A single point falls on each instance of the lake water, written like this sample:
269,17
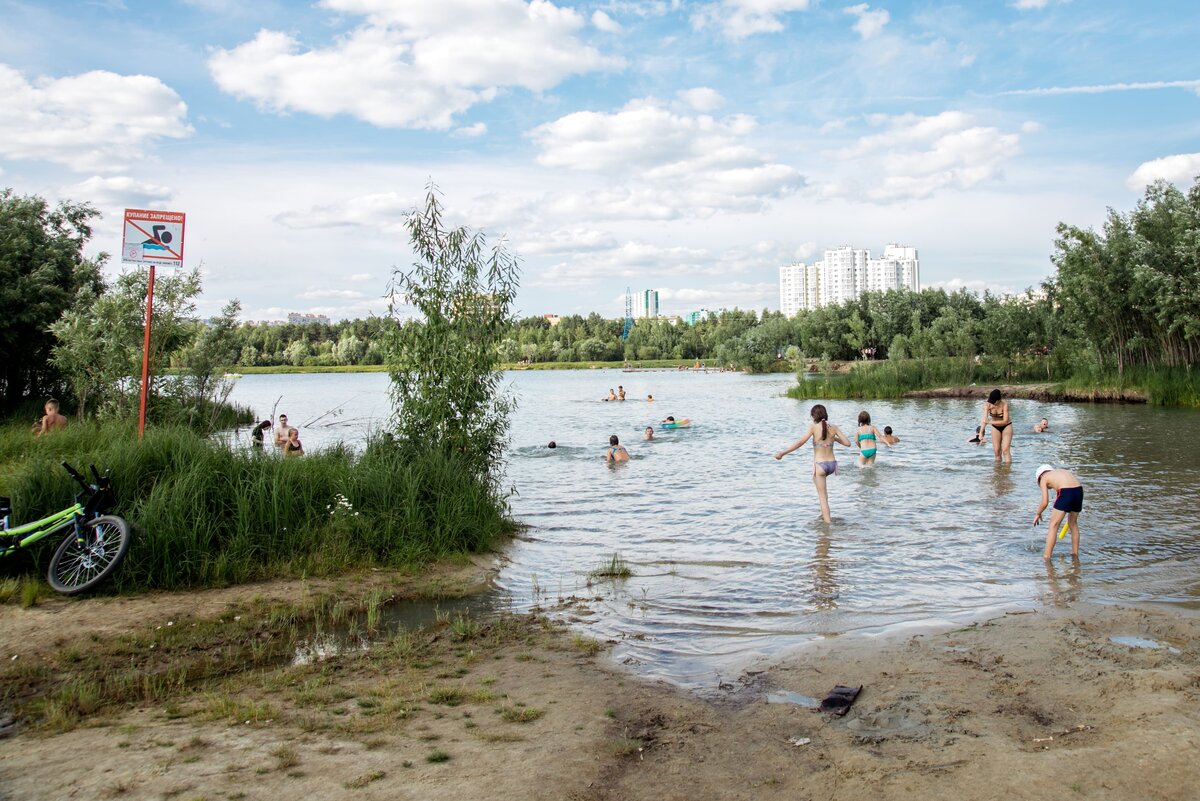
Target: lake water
729,557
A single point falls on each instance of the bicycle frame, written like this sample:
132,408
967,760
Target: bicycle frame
25,535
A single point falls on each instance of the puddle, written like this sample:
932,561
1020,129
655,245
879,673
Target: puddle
1141,642
394,618
793,698
956,649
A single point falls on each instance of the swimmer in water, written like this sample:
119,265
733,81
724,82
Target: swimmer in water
552,444
649,434
611,395
670,420
888,436
869,435
979,437
823,435
1042,426
649,399
616,451
620,393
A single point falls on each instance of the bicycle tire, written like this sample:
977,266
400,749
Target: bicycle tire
78,567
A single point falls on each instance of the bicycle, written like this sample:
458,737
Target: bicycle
95,546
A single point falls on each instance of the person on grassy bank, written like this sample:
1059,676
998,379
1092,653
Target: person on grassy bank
52,420
823,435
1068,502
996,412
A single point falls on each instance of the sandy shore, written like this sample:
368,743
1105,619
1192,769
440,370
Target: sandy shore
1041,705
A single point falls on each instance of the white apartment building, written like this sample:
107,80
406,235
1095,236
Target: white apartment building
645,304
845,273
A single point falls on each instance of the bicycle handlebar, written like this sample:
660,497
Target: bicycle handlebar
78,478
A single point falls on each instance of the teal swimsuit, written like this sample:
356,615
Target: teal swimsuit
866,452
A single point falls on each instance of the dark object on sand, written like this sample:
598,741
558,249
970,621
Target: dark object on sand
839,699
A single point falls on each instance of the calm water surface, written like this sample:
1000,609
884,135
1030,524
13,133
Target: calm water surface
730,559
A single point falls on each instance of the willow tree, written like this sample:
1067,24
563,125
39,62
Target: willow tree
445,362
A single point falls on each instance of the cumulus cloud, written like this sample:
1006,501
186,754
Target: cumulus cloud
720,296
412,63
119,191
96,121
1025,5
915,157
702,99
605,23
382,211
680,162
1178,169
870,23
323,293
471,131
738,19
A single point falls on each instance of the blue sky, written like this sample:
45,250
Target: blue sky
692,147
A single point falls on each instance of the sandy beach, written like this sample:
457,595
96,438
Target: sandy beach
1039,704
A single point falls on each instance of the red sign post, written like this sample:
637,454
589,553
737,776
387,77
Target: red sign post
151,237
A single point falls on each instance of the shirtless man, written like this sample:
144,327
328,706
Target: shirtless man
1068,502
281,431
52,421
1042,426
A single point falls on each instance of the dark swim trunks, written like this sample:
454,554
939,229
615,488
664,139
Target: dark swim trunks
1069,500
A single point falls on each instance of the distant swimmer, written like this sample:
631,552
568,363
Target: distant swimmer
996,412
823,435
612,396
1068,502
1042,426
620,393
669,419
866,438
649,433
888,437
671,422
616,451
979,437
649,399
552,444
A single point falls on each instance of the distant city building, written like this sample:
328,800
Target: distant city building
845,273
301,319
672,319
691,318
645,304
552,319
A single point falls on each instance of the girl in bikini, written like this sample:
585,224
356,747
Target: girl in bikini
995,411
867,438
823,435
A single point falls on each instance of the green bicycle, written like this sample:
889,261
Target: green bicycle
95,543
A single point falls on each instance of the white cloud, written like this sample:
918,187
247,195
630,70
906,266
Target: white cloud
738,19
915,157
471,131
870,23
975,286
383,211
564,241
605,23
118,191
315,293
726,296
681,163
1031,127
702,99
1101,88
1025,5
1179,169
96,121
357,277
412,64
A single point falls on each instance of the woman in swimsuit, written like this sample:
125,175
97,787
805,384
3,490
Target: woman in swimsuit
995,411
823,435
869,434
616,451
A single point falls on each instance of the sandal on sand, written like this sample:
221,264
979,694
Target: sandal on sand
839,699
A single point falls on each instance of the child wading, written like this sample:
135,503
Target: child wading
823,435
1068,502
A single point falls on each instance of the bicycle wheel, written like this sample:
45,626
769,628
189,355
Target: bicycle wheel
79,566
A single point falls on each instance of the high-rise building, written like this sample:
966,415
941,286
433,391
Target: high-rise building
645,304
845,273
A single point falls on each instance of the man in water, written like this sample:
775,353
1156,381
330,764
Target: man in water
649,399
1042,426
51,421
611,395
552,444
616,451
670,420
620,393
888,437
281,431
649,435
1068,502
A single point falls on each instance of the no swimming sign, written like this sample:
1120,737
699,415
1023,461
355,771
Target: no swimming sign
153,237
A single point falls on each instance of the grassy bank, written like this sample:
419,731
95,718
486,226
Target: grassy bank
206,514
894,378
379,368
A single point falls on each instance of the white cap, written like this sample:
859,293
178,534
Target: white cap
1046,468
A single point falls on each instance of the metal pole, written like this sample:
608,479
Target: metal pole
146,354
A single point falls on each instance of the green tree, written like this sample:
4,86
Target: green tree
445,366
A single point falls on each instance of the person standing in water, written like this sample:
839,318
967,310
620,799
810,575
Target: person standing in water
869,434
823,434
995,411
649,433
620,393
616,451
1068,502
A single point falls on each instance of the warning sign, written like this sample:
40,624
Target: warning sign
153,237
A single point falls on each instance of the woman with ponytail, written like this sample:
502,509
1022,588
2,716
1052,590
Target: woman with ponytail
823,434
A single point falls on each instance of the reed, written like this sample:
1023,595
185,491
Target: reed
207,514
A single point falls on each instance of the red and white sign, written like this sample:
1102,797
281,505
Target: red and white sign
153,237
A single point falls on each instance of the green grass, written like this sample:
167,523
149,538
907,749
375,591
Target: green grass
205,514
1162,386
614,568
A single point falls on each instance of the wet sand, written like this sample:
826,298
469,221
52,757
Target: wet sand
1040,705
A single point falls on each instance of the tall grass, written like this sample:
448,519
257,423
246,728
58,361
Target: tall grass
1162,386
207,514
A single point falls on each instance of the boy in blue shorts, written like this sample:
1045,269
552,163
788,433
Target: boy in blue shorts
1068,501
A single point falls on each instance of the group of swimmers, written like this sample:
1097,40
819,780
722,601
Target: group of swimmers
1068,502
619,395
287,438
